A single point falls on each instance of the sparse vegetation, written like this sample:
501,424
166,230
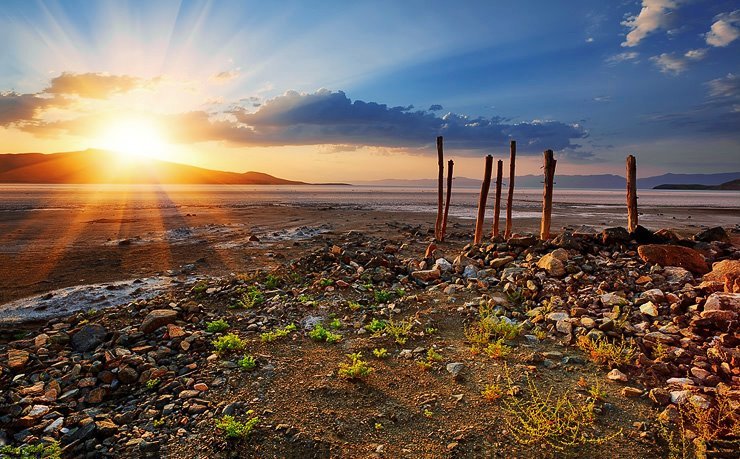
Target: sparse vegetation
380,353
217,326
251,298
358,368
199,288
268,337
228,342
434,356
491,327
603,352
152,384
247,362
233,429
376,326
382,296
325,282
50,450
354,305
492,392
272,282
319,333
497,350
399,330
335,323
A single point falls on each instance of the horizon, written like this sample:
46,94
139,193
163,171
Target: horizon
312,94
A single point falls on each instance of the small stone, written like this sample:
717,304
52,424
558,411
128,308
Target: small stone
497,263
649,309
128,375
631,392
427,275
202,387
157,318
616,375
175,331
188,394
17,358
455,368
552,264
38,410
88,338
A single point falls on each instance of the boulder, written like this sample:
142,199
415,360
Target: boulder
157,318
726,272
666,235
521,240
713,234
723,302
566,240
642,235
497,263
426,275
617,235
88,337
674,255
552,264
649,309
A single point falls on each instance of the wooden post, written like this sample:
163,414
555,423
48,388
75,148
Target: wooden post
631,194
547,195
482,200
497,204
440,164
509,201
450,165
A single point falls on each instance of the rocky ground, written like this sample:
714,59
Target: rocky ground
588,345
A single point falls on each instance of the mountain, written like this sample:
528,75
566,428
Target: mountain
731,185
602,181
99,166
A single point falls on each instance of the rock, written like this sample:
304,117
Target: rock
616,235
519,240
712,234
649,309
461,262
677,276
565,240
106,428
202,387
723,302
612,299
443,265
470,272
426,275
38,410
674,255
655,295
564,326
631,392
157,318
88,338
660,396
497,263
553,264
174,331
128,375
642,235
680,396
455,368
17,358
727,272
96,395
80,434
557,316
616,375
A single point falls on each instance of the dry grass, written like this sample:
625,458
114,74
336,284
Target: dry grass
603,352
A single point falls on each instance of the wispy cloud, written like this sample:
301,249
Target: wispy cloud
669,63
652,16
224,77
97,85
621,57
724,30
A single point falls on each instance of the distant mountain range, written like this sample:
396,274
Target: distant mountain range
731,185
608,181
99,166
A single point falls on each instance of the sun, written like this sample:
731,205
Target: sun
133,139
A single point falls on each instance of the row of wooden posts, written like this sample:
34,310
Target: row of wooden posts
443,207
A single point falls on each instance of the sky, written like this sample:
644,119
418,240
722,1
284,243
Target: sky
341,91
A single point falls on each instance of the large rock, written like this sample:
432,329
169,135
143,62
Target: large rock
674,255
521,240
712,234
17,358
426,275
497,263
723,302
89,337
726,272
157,318
554,262
616,235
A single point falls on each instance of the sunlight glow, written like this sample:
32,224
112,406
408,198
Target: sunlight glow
133,139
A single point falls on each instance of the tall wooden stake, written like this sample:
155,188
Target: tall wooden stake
509,201
497,204
482,200
631,194
440,164
547,195
450,165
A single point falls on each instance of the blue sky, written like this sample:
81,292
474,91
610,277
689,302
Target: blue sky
256,81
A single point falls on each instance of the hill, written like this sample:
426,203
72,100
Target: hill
731,185
99,166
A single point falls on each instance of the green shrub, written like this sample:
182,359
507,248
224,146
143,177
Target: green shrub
383,296
228,342
236,429
272,282
40,450
251,298
278,333
376,326
319,333
358,368
217,326
247,362
399,330
380,353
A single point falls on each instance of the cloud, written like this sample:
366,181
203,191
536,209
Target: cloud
603,99
590,40
653,16
224,77
435,108
725,29
621,57
696,54
725,87
668,63
96,85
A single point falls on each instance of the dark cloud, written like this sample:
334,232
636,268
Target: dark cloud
96,85
435,108
19,109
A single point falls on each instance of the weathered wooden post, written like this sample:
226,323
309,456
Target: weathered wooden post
440,164
510,200
450,165
497,204
547,195
631,194
482,200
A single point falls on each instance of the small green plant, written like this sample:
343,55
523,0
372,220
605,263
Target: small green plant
234,429
306,299
378,426
376,326
268,337
479,333
597,392
603,352
497,349
199,288
50,450
228,342
247,362
434,356
336,324
400,292
428,413
152,383
319,333
660,351
515,298
251,298
354,305
272,282
325,282
430,330
380,353
424,364
217,326
492,392
382,296
358,368
539,333
399,330
157,423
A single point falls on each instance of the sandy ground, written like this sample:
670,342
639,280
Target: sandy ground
42,251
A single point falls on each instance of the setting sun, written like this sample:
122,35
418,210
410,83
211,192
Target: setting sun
134,138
